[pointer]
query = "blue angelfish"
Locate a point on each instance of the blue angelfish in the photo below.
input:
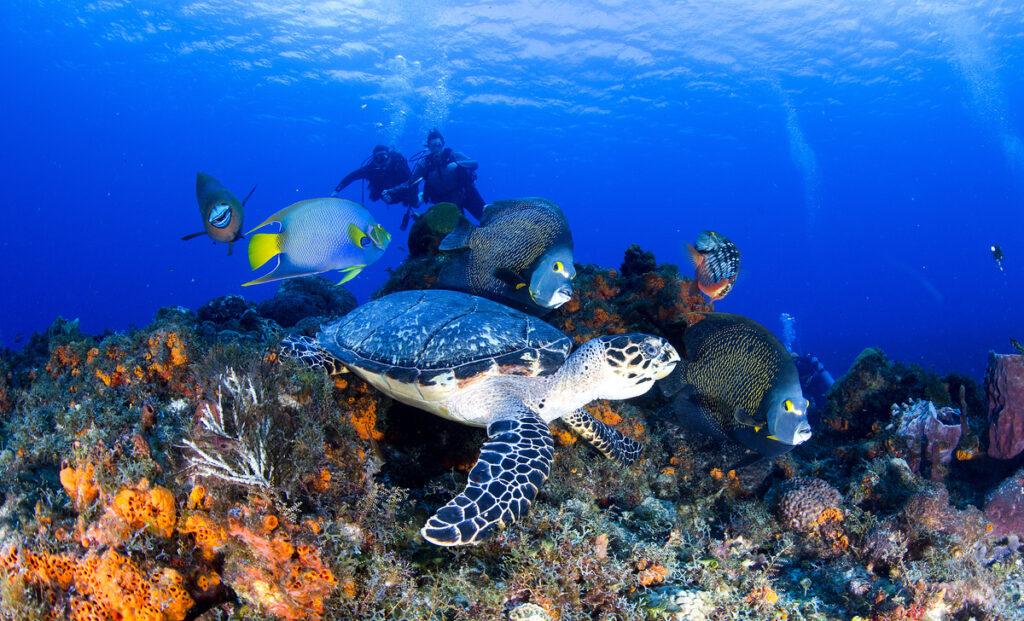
(318, 235)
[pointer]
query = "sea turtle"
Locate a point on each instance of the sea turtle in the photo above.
(480, 363)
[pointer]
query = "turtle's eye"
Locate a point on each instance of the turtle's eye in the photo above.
(650, 349)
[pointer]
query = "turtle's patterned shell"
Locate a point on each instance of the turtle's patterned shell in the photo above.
(427, 344)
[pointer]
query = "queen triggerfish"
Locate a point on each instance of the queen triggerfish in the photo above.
(221, 210)
(736, 380)
(521, 255)
(318, 235)
(717, 261)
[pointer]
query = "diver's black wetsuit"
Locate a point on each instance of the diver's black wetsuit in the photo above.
(380, 178)
(442, 184)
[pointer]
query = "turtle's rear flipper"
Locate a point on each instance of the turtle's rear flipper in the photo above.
(513, 463)
(605, 439)
(309, 352)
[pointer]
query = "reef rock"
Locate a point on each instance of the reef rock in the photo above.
(1004, 388)
(223, 310)
(928, 435)
(312, 296)
(1004, 507)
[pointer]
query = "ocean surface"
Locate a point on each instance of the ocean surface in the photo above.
(865, 156)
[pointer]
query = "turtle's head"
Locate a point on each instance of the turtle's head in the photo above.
(626, 365)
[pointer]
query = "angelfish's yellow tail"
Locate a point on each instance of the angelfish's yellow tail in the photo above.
(262, 248)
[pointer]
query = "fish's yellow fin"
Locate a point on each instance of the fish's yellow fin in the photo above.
(357, 237)
(350, 273)
(262, 248)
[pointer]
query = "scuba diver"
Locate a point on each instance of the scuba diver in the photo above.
(447, 176)
(385, 168)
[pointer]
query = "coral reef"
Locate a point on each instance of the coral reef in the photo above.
(299, 298)
(1004, 387)
(1004, 507)
(182, 471)
(927, 436)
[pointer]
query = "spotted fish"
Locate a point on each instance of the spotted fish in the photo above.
(717, 261)
(521, 255)
(736, 380)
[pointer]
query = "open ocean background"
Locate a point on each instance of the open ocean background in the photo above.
(864, 155)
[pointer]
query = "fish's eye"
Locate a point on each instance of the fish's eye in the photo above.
(557, 267)
(788, 405)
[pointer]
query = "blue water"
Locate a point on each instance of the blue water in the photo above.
(864, 155)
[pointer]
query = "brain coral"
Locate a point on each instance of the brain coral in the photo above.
(804, 501)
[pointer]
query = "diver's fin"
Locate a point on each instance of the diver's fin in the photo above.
(282, 214)
(248, 195)
(350, 273)
(357, 237)
(191, 235)
(262, 248)
(460, 237)
(509, 277)
(742, 417)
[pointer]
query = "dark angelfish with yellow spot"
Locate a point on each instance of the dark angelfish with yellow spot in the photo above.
(521, 255)
(222, 212)
(736, 380)
(318, 235)
(717, 261)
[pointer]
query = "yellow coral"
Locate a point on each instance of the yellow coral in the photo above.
(110, 586)
(80, 485)
(650, 573)
(208, 535)
(563, 437)
(115, 586)
(143, 507)
(762, 595)
(604, 413)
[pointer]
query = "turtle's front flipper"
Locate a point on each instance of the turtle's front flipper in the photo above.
(513, 463)
(309, 352)
(605, 439)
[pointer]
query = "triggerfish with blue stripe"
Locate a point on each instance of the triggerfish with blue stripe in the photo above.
(736, 380)
(717, 261)
(222, 212)
(318, 235)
